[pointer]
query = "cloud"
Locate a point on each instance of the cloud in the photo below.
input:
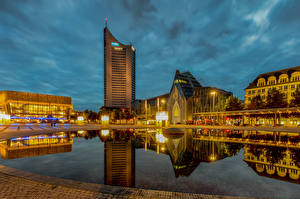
(141, 11)
(176, 29)
(56, 47)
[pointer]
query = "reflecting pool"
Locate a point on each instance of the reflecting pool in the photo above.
(223, 162)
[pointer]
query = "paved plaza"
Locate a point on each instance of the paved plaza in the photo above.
(18, 184)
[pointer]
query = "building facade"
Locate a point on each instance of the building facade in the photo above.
(286, 81)
(21, 105)
(119, 72)
(180, 100)
(209, 99)
(147, 108)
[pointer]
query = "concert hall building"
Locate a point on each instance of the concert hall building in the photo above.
(33, 106)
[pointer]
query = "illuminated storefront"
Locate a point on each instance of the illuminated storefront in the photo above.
(24, 107)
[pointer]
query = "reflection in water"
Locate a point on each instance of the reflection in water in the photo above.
(274, 162)
(119, 158)
(35, 146)
(270, 154)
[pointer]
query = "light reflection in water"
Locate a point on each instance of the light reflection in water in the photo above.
(270, 154)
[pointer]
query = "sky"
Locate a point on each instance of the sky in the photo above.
(56, 47)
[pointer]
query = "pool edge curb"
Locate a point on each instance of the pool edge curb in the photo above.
(107, 189)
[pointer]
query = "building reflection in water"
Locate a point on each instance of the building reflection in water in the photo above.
(119, 157)
(185, 152)
(35, 146)
(269, 154)
(274, 162)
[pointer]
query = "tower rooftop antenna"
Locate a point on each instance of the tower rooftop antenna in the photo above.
(106, 22)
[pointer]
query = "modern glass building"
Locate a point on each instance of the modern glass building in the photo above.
(33, 106)
(119, 72)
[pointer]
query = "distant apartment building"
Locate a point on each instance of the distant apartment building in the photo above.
(34, 106)
(286, 81)
(119, 72)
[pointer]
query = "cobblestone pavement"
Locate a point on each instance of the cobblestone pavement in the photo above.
(18, 184)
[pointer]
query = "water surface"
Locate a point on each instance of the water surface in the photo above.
(223, 162)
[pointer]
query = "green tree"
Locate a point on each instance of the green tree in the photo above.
(256, 103)
(295, 102)
(233, 104)
(90, 115)
(276, 99)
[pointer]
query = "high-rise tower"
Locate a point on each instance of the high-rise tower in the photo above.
(119, 72)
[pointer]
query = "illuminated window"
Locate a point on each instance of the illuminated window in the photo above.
(176, 111)
(293, 87)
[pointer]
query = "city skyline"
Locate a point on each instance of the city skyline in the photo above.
(57, 48)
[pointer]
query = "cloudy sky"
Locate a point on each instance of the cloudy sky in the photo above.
(56, 46)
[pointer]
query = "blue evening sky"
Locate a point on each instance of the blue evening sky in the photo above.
(56, 46)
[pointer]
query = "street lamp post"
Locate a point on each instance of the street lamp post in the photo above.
(213, 93)
(163, 101)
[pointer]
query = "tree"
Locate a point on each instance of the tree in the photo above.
(256, 103)
(276, 99)
(295, 102)
(233, 104)
(90, 115)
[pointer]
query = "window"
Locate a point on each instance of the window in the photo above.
(283, 80)
(280, 88)
(293, 87)
(249, 92)
(263, 90)
(272, 82)
(253, 92)
(285, 88)
(258, 91)
(261, 82)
